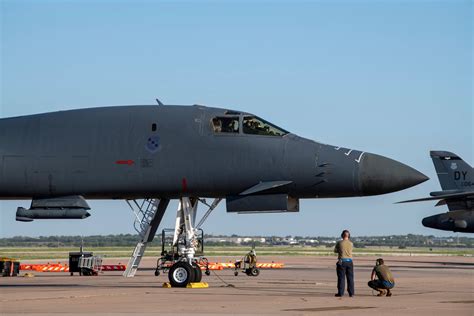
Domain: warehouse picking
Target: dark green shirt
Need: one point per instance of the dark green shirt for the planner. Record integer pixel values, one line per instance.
(384, 273)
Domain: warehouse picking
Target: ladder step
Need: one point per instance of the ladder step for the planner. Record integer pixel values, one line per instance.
(135, 259)
(144, 216)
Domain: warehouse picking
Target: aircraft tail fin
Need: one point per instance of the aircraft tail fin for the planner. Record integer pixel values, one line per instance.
(453, 172)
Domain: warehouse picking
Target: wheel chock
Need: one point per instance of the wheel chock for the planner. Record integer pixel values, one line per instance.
(198, 285)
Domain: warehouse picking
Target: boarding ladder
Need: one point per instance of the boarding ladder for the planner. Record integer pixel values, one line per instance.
(144, 214)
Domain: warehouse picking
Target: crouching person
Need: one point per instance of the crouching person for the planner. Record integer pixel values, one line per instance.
(384, 282)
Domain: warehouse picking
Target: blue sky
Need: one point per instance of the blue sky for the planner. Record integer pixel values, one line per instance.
(389, 77)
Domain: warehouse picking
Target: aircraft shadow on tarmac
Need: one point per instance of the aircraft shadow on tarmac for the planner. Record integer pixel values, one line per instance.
(457, 266)
(444, 263)
(78, 286)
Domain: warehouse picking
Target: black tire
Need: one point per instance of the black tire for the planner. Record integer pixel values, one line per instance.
(157, 272)
(197, 273)
(236, 273)
(181, 274)
(254, 272)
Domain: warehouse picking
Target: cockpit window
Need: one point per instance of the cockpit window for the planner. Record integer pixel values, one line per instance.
(225, 124)
(257, 126)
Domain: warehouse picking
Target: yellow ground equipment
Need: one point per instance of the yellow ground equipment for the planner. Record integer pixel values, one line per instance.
(248, 264)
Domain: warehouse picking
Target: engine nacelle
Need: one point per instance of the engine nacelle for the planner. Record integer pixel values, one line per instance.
(28, 215)
(67, 207)
(272, 203)
(456, 221)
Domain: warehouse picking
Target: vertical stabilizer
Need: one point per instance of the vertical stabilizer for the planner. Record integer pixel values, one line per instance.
(453, 172)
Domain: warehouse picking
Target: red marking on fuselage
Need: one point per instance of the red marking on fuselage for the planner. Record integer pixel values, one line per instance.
(125, 162)
(184, 184)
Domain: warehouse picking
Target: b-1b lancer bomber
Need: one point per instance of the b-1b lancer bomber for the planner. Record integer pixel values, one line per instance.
(148, 155)
(457, 182)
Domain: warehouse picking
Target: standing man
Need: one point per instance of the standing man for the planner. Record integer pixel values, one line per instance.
(384, 279)
(344, 266)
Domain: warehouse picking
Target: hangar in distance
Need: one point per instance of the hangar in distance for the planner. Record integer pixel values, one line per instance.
(161, 152)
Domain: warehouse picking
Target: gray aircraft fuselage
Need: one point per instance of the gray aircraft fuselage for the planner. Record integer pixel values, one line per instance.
(130, 152)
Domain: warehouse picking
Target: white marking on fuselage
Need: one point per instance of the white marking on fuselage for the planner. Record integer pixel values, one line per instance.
(348, 153)
(360, 157)
(337, 148)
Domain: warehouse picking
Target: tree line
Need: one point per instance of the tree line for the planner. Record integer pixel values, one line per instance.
(129, 240)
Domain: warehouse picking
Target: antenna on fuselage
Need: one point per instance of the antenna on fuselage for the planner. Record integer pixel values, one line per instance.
(159, 102)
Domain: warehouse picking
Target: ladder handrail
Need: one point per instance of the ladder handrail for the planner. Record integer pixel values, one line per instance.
(143, 215)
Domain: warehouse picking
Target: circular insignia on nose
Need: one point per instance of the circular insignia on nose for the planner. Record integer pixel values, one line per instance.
(153, 144)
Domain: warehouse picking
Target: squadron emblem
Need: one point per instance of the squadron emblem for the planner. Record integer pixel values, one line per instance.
(153, 144)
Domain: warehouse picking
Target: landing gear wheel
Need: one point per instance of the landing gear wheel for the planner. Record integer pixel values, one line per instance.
(236, 273)
(181, 274)
(254, 272)
(197, 273)
(157, 272)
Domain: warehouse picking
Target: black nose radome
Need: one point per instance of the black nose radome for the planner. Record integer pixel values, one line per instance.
(457, 221)
(431, 221)
(380, 175)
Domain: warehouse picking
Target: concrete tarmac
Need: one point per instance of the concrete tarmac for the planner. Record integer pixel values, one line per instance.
(424, 286)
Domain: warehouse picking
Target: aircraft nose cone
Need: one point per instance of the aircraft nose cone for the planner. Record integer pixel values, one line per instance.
(380, 175)
(430, 221)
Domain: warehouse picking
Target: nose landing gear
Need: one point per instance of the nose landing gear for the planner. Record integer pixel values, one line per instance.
(179, 259)
(181, 274)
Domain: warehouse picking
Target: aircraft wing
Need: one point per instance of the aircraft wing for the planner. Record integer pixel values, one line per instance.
(461, 195)
(263, 186)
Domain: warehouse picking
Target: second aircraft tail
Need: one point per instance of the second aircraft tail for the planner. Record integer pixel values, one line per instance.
(453, 172)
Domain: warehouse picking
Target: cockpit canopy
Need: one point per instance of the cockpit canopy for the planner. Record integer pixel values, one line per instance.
(226, 124)
(246, 124)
